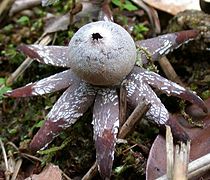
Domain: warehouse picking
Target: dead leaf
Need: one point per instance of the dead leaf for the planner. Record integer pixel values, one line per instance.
(51, 172)
(200, 143)
(48, 2)
(173, 6)
(57, 23)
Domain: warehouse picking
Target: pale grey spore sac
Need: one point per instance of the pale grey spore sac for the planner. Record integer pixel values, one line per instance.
(102, 53)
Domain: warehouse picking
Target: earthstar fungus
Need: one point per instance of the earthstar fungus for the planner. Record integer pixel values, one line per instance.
(100, 56)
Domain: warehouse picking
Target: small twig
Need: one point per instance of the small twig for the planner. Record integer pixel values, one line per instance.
(199, 171)
(91, 173)
(176, 164)
(169, 153)
(4, 155)
(24, 155)
(22, 5)
(30, 157)
(195, 167)
(169, 71)
(181, 161)
(7, 174)
(123, 104)
(17, 168)
(71, 12)
(136, 115)
(129, 148)
(65, 175)
(44, 41)
(105, 14)
(4, 8)
(13, 145)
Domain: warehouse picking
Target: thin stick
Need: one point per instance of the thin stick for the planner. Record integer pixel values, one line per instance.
(65, 175)
(5, 6)
(7, 173)
(44, 41)
(196, 167)
(199, 171)
(169, 70)
(30, 157)
(22, 5)
(199, 163)
(4, 155)
(91, 173)
(181, 161)
(169, 153)
(136, 115)
(17, 168)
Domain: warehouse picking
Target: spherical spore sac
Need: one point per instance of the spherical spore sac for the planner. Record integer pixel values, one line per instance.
(102, 53)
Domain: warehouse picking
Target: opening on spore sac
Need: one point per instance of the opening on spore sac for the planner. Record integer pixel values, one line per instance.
(96, 36)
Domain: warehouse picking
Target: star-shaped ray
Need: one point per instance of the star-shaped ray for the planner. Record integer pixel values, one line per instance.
(106, 124)
(52, 55)
(137, 91)
(162, 45)
(47, 85)
(67, 110)
(169, 87)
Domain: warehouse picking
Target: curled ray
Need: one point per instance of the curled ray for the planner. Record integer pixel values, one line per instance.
(70, 106)
(106, 124)
(169, 87)
(138, 90)
(52, 55)
(162, 45)
(47, 85)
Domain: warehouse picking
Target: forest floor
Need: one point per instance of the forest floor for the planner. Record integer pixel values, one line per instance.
(73, 151)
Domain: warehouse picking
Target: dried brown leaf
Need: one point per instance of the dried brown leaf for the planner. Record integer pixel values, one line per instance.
(51, 172)
(173, 6)
(200, 144)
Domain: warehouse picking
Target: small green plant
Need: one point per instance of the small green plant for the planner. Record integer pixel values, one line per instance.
(3, 87)
(125, 5)
(139, 30)
(23, 20)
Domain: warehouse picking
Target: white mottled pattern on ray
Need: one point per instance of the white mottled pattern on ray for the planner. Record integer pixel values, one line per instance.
(166, 46)
(53, 83)
(72, 104)
(106, 118)
(52, 55)
(138, 90)
(105, 125)
(161, 83)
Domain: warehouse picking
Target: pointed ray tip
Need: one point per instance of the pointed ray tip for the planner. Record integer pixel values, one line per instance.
(105, 153)
(28, 51)
(46, 134)
(8, 93)
(198, 101)
(20, 92)
(185, 36)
